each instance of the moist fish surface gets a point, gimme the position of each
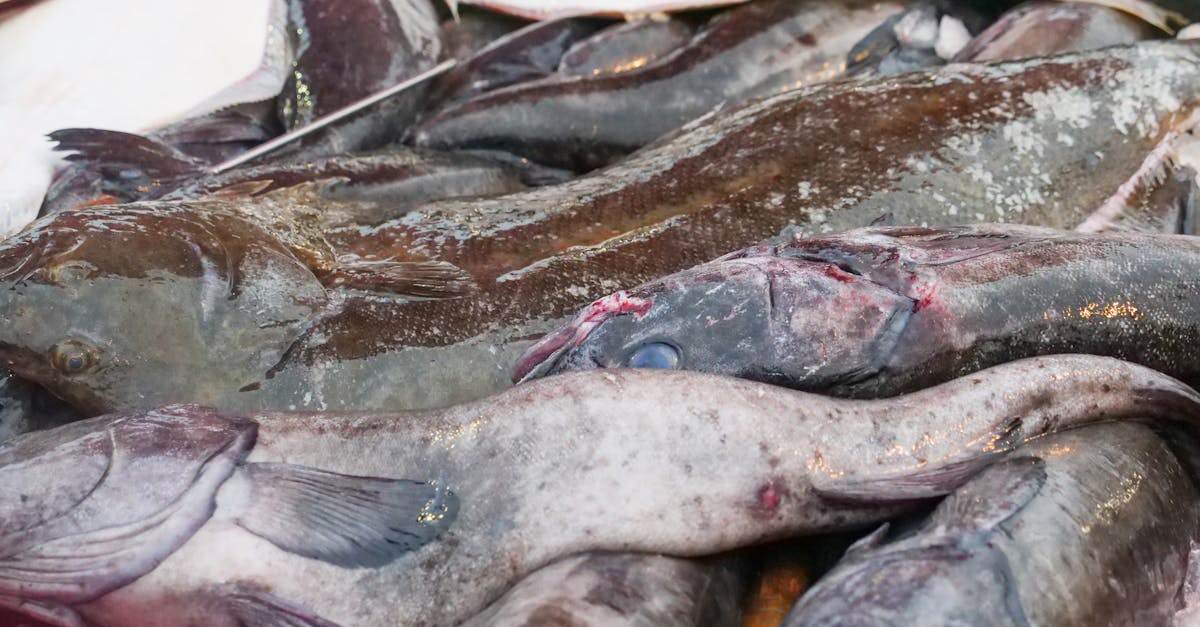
(468, 285)
(1044, 28)
(426, 517)
(599, 589)
(583, 122)
(884, 310)
(1088, 527)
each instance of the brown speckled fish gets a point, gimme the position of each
(425, 518)
(1044, 141)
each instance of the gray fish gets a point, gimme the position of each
(426, 517)
(1044, 28)
(601, 589)
(880, 311)
(625, 47)
(584, 122)
(1088, 527)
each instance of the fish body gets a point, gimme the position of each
(440, 512)
(598, 589)
(346, 51)
(536, 10)
(1045, 537)
(495, 274)
(883, 310)
(625, 47)
(583, 122)
(1045, 28)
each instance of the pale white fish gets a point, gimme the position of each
(127, 65)
(552, 9)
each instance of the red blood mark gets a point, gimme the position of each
(925, 295)
(574, 333)
(769, 496)
(839, 274)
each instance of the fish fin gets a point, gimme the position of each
(244, 188)
(93, 146)
(869, 541)
(422, 279)
(995, 495)
(346, 520)
(253, 608)
(926, 483)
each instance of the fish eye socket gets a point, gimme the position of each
(654, 355)
(73, 357)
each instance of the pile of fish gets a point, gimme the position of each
(771, 312)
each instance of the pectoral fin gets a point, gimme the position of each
(341, 519)
(422, 279)
(252, 608)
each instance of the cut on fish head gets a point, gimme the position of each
(759, 317)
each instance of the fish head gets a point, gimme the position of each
(135, 306)
(756, 315)
(938, 584)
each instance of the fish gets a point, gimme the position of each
(625, 47)
(623, 589)
(1046, 28)
(1101, 499)
(130, 168)
(481, 280)
(541, 10)
(883, 310)
(427, 517)
(584, 122)
(528, 53)
(346, 51)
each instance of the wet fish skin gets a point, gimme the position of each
(623, 588)
(525, 54)
(25, 407)
(535, 257)
(583, 123)
(625, 47)
(1046, 28)
(1101, 499)
(748, 463)
(884, 310)
(346, 51)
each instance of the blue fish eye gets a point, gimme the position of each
(654, 355)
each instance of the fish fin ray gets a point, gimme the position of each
(926, 483)
(350, 521)
(98, 147)
(995, 495)
(422, 279)
(253, 608)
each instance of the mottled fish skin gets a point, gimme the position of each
(833, 157)
(625, 47)
(1045, 28)
(676, 463)
(346, 51)
(880, 311)
(542, 10)
(600, 589)
(1088, 527)
(583, 122)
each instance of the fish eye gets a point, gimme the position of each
(73, 357)
(654, 355)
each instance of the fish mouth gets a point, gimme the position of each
(546, 353)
